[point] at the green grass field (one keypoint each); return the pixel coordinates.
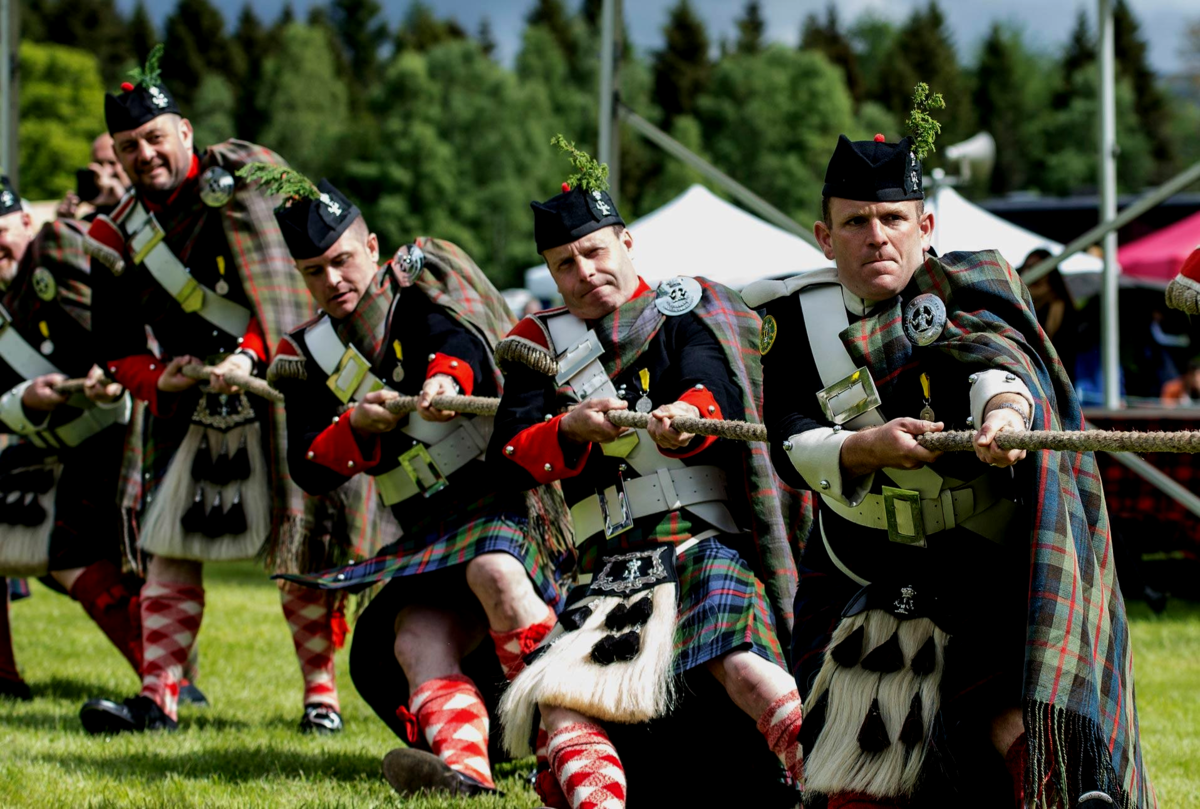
(245, 750)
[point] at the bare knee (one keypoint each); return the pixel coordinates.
(1007, 727)
(752, 682)
(428, 644)
(502, 586)
(177, 571)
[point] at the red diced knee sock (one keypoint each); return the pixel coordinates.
(1015, 761)
(587, 767)
(857, 800)
(780, 724)
(451, 714)
(545, 783)
(512, 646)
(8, 658)
(108, 600)
(171, 615)
(311, 621)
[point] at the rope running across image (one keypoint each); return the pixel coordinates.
(951, 441)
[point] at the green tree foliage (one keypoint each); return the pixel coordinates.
(1010, 97)
(61, 113)
(142, 34)
(771, 120)
(486, 39)
(552, 15)
(1079, 53)
(871, 37)
(1150, 102)
(924, 51)
(250, 46)
(750, 27)
(96, 26)
(305, 101)
(421, 29)
(1191, 55)
(361, 33)
(464, 146)
(676, 176)
(196, 46)
(828, 38)
(213, 111)
(682, 67)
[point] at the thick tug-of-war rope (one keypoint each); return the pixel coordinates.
(954, 441)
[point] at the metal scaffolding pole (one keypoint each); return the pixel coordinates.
(9, 10)
(609, 136)
(1109, 318)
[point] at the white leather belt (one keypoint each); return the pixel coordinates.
(424, 469)
(146, 246)
(694, 488)
(19, 354)
(950, 508)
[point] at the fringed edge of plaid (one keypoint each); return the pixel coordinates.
(525, 352)
(287, 368)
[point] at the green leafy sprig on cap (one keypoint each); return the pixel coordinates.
(590, 175)
(281, 180)
(150, 75)
(921, 125)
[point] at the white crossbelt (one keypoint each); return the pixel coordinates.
(146, 245)
(29, 363)
(451, 445)
(950, 508)
(664, 483)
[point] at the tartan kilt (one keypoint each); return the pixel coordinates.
(495, 524)
(723, 606)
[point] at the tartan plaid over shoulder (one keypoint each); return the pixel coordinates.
(1079, 707)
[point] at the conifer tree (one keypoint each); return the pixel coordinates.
(1149, 99)
(751, 28)
(683, 66)
(487, 41)
(421, 29)
(552, 15)
(142, 34)
(828, 38)
(361, 32)
(252, 45)
(196, 44)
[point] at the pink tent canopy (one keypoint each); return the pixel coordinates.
(1160, 255)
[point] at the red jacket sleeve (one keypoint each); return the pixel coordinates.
(455, 368)
(703, 400)
(255, 340)
(140, 374)
(538, 451)
(337, 448)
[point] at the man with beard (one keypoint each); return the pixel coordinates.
(73, 444)
(200, 264)
(957, 614)
(471, 563)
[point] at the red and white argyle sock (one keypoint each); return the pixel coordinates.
(512, 646)
(8, 658)
(545, 783)
(780, 723)
(109, 601)
(451, 713)
(171, 615)
(310, 619)
(587, 767)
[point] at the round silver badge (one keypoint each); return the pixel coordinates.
(222, 288)
(47, 347)
(924, 319)
(644, 405)
(677, 296)
(398, 374)
(216, 186)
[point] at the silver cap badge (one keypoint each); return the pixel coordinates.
(216, 186)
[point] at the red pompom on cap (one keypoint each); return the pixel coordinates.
(566, 187)
(127, 87)
(879, 138)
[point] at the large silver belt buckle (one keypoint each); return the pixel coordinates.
(423, 470)
(577, 356)
(849, 398)
(612, 529)
(903, 509)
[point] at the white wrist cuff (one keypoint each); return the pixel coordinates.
(817, 456)
(12, 412)
(993, 382)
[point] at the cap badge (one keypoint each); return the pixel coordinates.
(6, 199)
(216, 186)
(333, 207)
(767, 334)
(924, 319)
(677, 296)
(158, 97)
(601, 205)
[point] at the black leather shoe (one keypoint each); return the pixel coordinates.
(320, 719)
(410, 771)
(15, 689)
(1095, 800)
(134, 715)
(190, 694)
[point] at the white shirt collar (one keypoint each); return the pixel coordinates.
(857, 306)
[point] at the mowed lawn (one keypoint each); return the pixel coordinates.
(245, 750)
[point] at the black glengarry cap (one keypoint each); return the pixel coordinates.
(140, 101)
(873, 171)
(572, 215)
(311, 226)
(10, 200)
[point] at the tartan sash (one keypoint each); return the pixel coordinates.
(1079, 707)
